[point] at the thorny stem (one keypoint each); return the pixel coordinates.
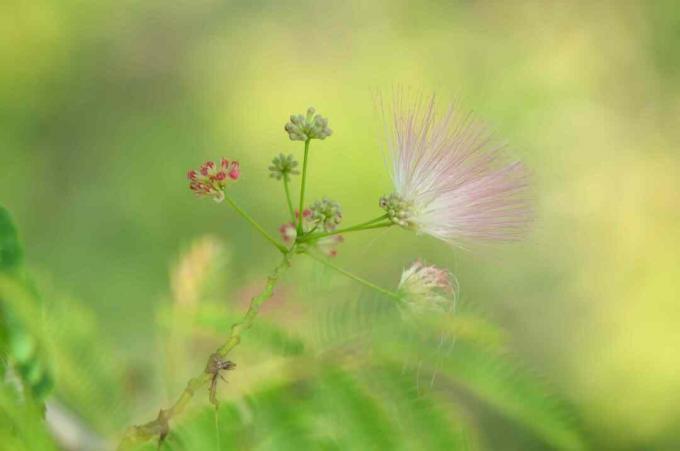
(354, 277)
(300, 231)
(288, 200)
(255, 224)
(355, 228)
(160, 426)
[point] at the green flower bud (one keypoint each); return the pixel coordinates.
(326, 213)
(283, 166)
(311, 126)
(398, 210)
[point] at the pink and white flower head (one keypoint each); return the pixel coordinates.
(211, 179)
(427, 288)
(451, 180)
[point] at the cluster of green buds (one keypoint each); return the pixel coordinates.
(283, 166)
(311, 126)
(326, 213)
(398, 210)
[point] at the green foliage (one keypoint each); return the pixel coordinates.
(366, 378)
(91, 380)
(21, 425)
(10, 250)
(25, 380)
(19, 328)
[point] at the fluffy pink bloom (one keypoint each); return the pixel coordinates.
(452, 180)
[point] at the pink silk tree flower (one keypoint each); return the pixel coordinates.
(452, 180)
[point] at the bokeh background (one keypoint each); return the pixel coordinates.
(105, 105)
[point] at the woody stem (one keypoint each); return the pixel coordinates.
(160, 427)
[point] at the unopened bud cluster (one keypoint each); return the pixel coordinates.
(283, 166)
(311, 126)
(211, 179)
(326, 213)
(326, 245)
(398, 210)
(427, 288)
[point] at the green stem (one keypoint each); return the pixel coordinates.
(291, 210)
(356, 228)
(300, 232)
(355, 277)
(372, 221)
(254, 223)
(160, 426)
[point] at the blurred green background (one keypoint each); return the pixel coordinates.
(105, 105)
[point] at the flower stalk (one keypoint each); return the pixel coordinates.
(255, 224)
(289, 201)
(354, 277)
(300, 230)
(355, 228)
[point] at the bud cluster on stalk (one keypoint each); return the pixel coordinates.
(310, 126)
(283, 166)
(398, 210)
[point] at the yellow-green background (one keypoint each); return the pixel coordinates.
(104, 105)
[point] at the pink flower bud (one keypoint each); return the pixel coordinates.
(427, 288)
(235, 171)
(288, 232)
(211, 181)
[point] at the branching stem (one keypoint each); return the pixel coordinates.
(355, 228)
(160, 426)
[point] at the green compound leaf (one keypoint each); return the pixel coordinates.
(11, 254)
(19, 344)
(508, 388)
